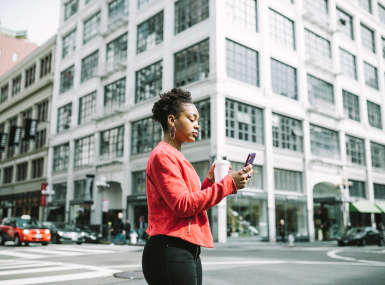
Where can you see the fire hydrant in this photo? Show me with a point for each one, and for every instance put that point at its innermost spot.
(291, 240)
(133, 237)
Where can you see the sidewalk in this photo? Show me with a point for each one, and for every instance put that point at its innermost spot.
(267, 244)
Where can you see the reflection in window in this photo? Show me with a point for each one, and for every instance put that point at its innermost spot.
(87, 108)
(116, 10)
(320, 92)
(351, 105)
(69, 43)
(374, 115)
(367, 38)
(204, 119)
(84, 151)
(150, 33)
(348, 64)
(378, 155)
(116, 52)
(189, 13)
(357, 189)
(287, 133)
(91, 28)
(284, 79)
(145, 136)
(139, 182)
(318, 48)
(112, 143)
(324, 142)
(114, 96)
(60, 191)
(148, 82)
(60, 157)
(67, 79)
(370, 73)
(345, 23)
(366, 5)
(287, 180)
(70, 8)
(243, 13)
(89, 66)
(144, 3)
(295, 216)
(355, 150)
(379, 191)
(64, 115)
(281, 29)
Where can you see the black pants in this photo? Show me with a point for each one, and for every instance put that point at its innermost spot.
(171, 261)
(283, 237)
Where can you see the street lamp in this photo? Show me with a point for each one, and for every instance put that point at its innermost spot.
(102, 184)
(344, 188)
(49, 192)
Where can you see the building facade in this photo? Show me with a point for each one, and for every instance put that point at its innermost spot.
(300, 83)
(25, 99)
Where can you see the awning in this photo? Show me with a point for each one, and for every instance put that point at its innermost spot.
(380, 205)
(364, 206)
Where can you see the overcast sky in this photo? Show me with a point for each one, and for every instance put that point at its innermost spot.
(39, 17)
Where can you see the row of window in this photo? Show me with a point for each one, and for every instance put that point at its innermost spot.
(37, 168)
(45, 68)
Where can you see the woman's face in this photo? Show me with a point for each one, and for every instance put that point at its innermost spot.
(187, 124)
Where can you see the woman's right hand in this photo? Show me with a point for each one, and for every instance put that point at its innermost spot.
(241, 177)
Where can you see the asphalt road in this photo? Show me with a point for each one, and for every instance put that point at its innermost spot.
(226, 264)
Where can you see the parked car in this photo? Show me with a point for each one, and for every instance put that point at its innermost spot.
(89, 234)
(25, 230)
(64, 233)
(361, 236)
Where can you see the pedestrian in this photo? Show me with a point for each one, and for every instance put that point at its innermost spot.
(127, 228)
(141, 227)
(281, 230)
(177, 220)
(119, 230)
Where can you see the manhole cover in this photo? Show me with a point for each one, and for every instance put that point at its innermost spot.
(130, 275)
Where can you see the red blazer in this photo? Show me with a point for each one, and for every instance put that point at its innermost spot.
(177, 203)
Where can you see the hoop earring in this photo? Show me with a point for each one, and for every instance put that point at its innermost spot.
(172, 137)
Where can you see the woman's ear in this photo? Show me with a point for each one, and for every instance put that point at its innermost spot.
(171, 120)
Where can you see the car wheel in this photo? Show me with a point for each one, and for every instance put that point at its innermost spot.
(363, 242)
(79, 243)
(17, 241)
(26, 243)
(381, 242)
(45, 243)
(55, 240)
(1, 239)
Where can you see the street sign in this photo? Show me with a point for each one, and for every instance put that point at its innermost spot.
(43, 195)
(3, 140)
(29, 129)
(14, 136)
(105, 205)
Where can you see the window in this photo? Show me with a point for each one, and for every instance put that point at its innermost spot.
(281, 29)
(8, 173)
(351, 105)
(60, 157)
(11, 149)
(366, 5)
(381, 13)
(243, 13)
(357, 189)
(87, 1)
(16, 85)
(324, 142)
(30, 76)
(84, 151)
(242, 63)
(370, 73)
(192, 64)
(14, 57)
(383, 47)
(45, 65)
(89, 66)
(204, 119)
(348, 64)
(244, 122)
(4, 93)
(145, 136)
(114, 95)
(318, 9)
(42, 111)
(22, 171)
(70, 8)
(91, 28)
(87, 108)
(367, 38)
(287, 133)
(318, 48)
(256, 180)
(144, 3)
(112, 143)
(60, 191)
(202, 168)
(37, 168)
(374, 115)
(64, 115)
(284, 79)
(345, 24)
(69, 43)
(355, 150)
(320, 92)
(116, 52)
(40, 139)
(150, 33)
(379, 191)
(189, 13)
(116, 9)
(79, 187)
(287, 180)
(139, 182)
(148, 82)
(67, 79)
(378, 155)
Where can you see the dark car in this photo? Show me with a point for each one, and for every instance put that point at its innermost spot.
(361, 236)
(89, 234)
(64, 233)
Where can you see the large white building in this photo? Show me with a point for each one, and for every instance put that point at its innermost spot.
(301, 83)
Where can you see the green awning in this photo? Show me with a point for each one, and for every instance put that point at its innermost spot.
(364, 206)
(380, 205)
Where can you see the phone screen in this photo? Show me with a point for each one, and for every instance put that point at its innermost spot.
(250, 158)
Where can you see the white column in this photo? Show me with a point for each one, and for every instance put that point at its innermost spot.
(168, 57)
(264, 57)
(369, 175)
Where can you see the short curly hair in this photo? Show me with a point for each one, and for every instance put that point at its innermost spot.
(170, 103)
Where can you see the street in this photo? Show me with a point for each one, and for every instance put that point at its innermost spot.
(232, 263)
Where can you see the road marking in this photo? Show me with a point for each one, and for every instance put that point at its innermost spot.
(333, 254)
(48, 251)
(57, 278)
(21, 254)
(243, 262)
(36, 270)
(91, 251)
(123, 266)
(23, 265)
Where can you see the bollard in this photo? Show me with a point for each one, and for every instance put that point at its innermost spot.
(291, 240)
(133, 237)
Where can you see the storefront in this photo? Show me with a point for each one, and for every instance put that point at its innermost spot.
(360, 213)
(380, 217)
(80, 213)
(293, 210)
(27, 203)
(56, 212)
(328, 218)
(247, 217)
(136, 207)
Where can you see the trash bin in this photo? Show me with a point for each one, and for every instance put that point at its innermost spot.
(133, 237)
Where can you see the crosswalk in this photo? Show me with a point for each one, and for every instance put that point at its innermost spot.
(38, 265)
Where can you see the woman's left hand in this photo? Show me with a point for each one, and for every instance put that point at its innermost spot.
(210, 174)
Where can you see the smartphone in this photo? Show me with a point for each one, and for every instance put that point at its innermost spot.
(250, 158)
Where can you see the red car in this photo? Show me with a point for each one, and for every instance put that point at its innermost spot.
(24, 230)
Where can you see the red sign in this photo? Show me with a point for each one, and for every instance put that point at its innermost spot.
(43, 194)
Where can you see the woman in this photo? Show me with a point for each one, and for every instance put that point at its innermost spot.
(177, 222)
